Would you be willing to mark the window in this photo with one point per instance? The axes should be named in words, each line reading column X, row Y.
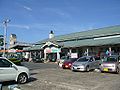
column 110, row 59
column 119, row 58
column 83, row 59
column 4, row 63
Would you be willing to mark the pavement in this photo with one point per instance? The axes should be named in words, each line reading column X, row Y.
column 50, row 77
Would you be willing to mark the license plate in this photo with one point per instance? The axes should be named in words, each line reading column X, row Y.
column 105, row 69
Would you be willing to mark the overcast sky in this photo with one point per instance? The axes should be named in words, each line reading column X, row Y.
column 32, row 20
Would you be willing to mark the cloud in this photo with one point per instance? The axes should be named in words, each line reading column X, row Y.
column 58, row 12
column 27, row 8
column 24, row 6
column 41, row 26
column 20, row 26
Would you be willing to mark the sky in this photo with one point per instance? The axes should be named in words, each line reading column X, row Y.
column 32, row 20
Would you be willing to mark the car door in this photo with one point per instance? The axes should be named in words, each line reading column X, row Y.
column 96, row 63
column 91, row 63
column 7, row 72
column 119, row 62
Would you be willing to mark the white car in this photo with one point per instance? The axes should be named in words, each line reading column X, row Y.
column 111, row 64
column 9, row 72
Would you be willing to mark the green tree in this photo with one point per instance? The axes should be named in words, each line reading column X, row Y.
column 1, row 40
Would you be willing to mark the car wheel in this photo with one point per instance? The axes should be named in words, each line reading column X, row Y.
column 87, row 69
column 22, row 78
column 117, row 70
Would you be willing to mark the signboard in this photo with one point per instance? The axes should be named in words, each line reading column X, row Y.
column 74, row 55
column 11, row 50
column 52, row 50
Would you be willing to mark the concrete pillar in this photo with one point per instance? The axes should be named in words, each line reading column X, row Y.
column 30, row 58
column 44, row 55
column 70, row 50
column 69, row 53
column 40, row 54
column 58, row 55
column 30, row 55
column 87, row 51
column 110, row 50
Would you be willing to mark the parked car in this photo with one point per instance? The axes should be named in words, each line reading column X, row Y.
column 62, row 59
column 85, row 63
column 111, row 64
column 68, row 63
column 10, row 71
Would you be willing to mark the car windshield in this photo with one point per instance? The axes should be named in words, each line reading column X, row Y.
column 83, row 59
column 110, row 59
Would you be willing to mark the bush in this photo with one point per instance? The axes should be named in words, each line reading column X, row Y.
column 15, row 61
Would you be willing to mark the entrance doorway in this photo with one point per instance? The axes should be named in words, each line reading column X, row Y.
column 52, row 57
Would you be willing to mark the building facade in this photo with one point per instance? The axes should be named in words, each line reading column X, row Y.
column 99, row 42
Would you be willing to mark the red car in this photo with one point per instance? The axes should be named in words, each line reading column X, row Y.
column 68, row 63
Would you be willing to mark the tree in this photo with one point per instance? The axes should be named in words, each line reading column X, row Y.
column 1, row 40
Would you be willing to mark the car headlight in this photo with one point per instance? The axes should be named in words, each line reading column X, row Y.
column 70, row 64
column 82, row 66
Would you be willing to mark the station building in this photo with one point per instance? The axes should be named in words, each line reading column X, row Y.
column 97, row 42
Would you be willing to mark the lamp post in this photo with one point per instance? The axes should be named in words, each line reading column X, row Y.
column 5, row 22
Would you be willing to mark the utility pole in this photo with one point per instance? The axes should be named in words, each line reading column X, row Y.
column 5, row 22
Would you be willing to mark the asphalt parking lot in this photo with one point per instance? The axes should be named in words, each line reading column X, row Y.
column 51, row 77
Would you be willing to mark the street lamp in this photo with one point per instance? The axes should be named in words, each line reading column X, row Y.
column 5, row 22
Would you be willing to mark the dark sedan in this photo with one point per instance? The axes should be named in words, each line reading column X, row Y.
column 68, row 63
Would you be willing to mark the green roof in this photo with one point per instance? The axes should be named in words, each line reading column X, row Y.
column 95, row 37
column 85, row 34
column 92, row 42
column 36, row 47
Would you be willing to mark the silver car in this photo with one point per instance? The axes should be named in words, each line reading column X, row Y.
column 85, row 63
column 111, row 64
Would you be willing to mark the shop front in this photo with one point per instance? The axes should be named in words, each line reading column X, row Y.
column 100, row 42
column 52, row 53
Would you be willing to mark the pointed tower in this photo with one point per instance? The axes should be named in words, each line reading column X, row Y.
column 13, row 39
column 51, row 34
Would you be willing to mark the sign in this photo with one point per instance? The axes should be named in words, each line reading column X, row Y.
column 74, row 55
column 52, row 50
column 11, row 50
